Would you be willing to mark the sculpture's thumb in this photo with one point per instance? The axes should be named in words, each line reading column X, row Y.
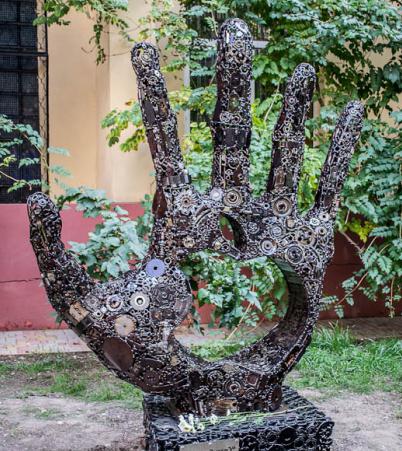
column 65, row 280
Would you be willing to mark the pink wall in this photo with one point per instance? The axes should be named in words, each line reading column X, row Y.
column 23, row 303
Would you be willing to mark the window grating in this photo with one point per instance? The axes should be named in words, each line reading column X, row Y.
column 23, row 85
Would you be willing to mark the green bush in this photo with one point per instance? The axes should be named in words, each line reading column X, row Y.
column 114, row 243
column 14, row 135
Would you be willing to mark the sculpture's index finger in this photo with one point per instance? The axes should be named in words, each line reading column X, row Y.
column 159, row 120
column 231, row 124
column 296, row 105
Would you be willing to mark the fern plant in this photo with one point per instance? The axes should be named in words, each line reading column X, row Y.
column 374, row 195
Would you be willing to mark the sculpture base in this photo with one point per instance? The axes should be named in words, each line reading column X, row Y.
column 297, row 425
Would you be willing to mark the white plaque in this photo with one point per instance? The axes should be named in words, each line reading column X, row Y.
column 230, row 444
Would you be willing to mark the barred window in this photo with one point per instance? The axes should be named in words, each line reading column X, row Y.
column 23, row 85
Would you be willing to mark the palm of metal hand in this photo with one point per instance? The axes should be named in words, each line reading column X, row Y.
column 129, row 322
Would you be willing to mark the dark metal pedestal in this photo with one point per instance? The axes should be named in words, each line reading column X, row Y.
column 298, row 425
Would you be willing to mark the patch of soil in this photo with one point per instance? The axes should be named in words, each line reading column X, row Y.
column 56, row 423
column 363, row 422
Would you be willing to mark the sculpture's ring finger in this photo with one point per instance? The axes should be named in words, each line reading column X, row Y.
column 288, row 137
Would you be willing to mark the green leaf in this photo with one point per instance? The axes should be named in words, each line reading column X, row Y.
column 58, row 151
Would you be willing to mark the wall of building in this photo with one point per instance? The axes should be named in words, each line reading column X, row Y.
column 73, row 100
column 23, row 300
column 126, row 176
column 81, row 94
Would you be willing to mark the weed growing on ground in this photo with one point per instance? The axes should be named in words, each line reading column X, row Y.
column 53, row 363
column 219, row 349
column 42, row 414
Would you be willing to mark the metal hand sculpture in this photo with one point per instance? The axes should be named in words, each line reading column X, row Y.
column 129, row 323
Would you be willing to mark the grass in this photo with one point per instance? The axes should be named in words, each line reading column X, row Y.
column 44, row 364
column 83, row 378
column 98, row 387
column 334, row 361
column 42, row 414
column 219, row 348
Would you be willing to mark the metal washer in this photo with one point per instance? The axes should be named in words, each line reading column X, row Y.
column 155, row 268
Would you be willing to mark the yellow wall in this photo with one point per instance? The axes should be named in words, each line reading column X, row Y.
column 80, row 95
column 73, row 100
column 125, row 175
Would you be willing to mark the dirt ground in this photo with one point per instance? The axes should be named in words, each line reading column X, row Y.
column 363, row 423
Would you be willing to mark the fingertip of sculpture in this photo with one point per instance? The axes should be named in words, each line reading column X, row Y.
column 44, row 217
column 144, row 58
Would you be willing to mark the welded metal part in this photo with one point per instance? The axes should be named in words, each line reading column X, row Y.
column 129, row 323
